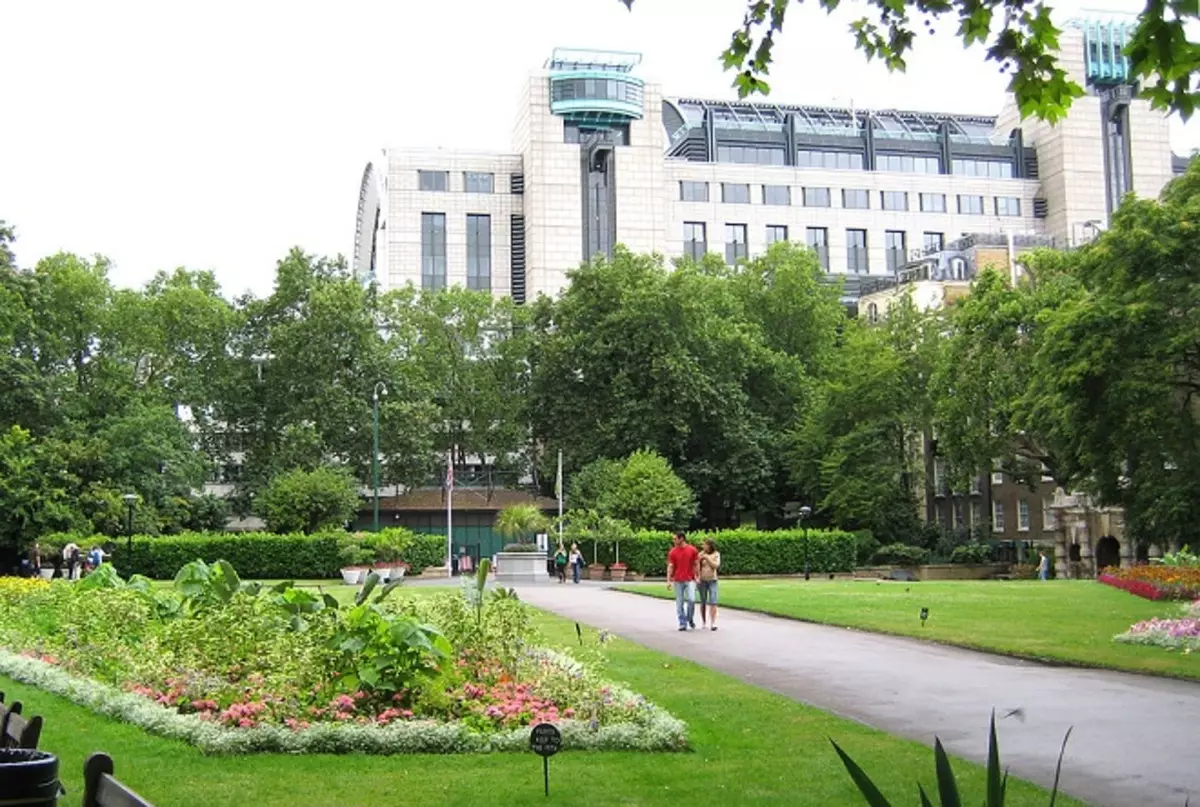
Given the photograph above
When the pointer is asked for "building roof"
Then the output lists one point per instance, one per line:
(434, 499)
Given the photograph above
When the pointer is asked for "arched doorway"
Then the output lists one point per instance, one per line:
(1108, 552)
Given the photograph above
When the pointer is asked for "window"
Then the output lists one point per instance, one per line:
(894, 200)
(433, 251)
(975, 485)
(959, 519)
(970, 205)
(693, 191)
(479, 252)
(1049, 517)
(818, 240)
(908, 164)
(976, 514)
(1046, 475)
(933, 203)
(997, 474)
(933, 242)
(856, 252)
(695, 241)
(816, 197)
(1008, 206)
(777, 195)
(854, 199)
(895, 248)
(1023, 515)
(939, 478)
(478, 182)
(735, 243)
(751, 155)
(776, 232)
(872, 313)
(735, 192)
(433, 180)
(812, 158)
(993, 169)
(997, 517)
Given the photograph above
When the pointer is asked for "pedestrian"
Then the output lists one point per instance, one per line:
(710, 562)
(1043, 566)
(35, 560)
(95, 558)
(576, 561)
(683, 564)
(70, 556)
(560, 564)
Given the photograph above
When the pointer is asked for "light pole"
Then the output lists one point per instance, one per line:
(130, 500)
(805, 512)
(380, 388)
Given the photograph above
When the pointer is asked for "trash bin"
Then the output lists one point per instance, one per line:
(29, 777)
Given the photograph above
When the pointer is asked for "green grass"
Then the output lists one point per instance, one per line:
(1068, 622)
(750, 747)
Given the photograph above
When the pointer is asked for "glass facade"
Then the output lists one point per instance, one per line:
(433, 251)
(479, 252)
(1008, 206)
(818, 240)
(813, 158)
(776, 232)
(751, 155)
(433, 180)
(478, 182)
(895, 248)
(735, 193)
(908, 163)
(933, 203)
(695, 240)
(777, 195)
(933, 242)
(894, 200)
(970, 205)
(816, 197)
(993, 169)
(856, 199)
(693, 191)
(735, 243)
(856, 252)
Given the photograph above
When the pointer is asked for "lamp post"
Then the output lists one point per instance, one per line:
(805, 512)
(380, 388)
(130, 500)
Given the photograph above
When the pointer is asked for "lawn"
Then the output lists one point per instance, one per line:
(750, 747)
(1068, 621)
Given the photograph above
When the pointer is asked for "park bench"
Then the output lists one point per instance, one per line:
(101, 788)
(15, 730)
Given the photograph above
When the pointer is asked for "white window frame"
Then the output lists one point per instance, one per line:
(1022, 515)
(997, 516)
(976, 513)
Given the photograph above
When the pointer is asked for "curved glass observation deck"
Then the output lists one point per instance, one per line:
(595, 87)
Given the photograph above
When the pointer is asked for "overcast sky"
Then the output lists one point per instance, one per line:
(218, 135)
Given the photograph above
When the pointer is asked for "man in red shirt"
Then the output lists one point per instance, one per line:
(683, 567)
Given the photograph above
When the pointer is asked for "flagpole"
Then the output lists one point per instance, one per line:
(559, 489)
(450, 513)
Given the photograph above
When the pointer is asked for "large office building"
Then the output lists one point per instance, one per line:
(602, 157)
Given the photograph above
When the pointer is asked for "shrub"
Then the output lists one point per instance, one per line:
(1023, 571)
(520, 548)
(901, 555)
(309, 501)
(260, 554)
(865, 546)
(971, 553)
(748, 551)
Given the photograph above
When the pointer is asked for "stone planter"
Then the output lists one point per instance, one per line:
(520, 567)
(617, 573)
(46, 572)
(595, 571)
(352, 577)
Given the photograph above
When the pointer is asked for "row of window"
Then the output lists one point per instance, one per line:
(852, 198)
(895, 244)
(853, 160)
(473, 181)
(999, 521)
(433, 251)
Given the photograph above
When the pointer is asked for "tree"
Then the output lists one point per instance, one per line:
(309, 501)
(520, 521)
(35, 492)
(1018, 36)
(641, 490)
(1117, 374)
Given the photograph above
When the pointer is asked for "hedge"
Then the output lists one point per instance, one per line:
(258, 554)
(746, 551)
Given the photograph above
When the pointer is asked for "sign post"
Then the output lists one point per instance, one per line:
(545, 740)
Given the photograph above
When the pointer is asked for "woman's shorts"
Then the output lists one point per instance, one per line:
(708, 591)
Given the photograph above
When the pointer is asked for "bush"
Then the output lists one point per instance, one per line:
(971, 553)
(309, 501)
(260, 554)
(747, 551)
(865, 546)
(900, 555)
(520, 548)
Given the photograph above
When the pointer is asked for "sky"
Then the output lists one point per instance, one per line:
(218, 135)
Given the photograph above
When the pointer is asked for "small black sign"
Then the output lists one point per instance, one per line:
(545, 740)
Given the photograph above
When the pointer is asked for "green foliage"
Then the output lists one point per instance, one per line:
(1183, 558)
(971, 553)
(749, 551)
(997, 778)
(900, 555)
(309, 501)
(521, 521)
(1021, 39)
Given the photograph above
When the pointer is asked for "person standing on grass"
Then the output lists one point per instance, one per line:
(1043, 566)
(576, 561)
(560, 564)
(710, 562)
(683, 566)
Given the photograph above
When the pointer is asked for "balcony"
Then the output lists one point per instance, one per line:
(856, 260)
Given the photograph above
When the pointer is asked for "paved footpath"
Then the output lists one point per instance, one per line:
(1134, 742)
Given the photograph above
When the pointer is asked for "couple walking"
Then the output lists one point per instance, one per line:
(685, 568)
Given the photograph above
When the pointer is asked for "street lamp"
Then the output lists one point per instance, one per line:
(380, 389)
(805, 512)
(130, 500)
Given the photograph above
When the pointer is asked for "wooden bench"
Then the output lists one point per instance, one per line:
(15, 730)
(101, 788)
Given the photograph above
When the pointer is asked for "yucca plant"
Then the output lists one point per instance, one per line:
(997, 781)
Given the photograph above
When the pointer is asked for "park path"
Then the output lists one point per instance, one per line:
(1134, 740)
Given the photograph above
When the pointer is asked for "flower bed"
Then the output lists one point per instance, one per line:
(1172, 634)
(1156, 582)
(234, 668)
